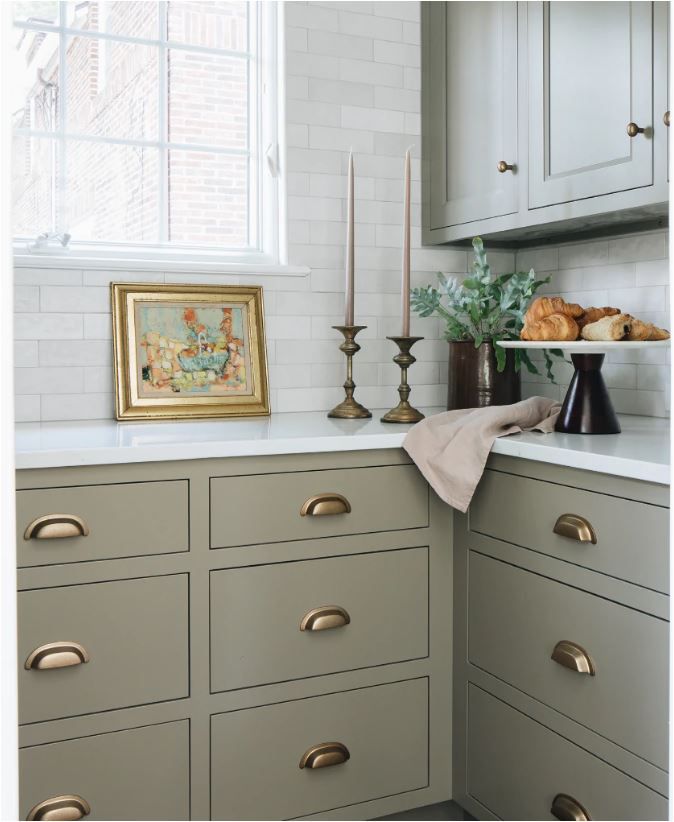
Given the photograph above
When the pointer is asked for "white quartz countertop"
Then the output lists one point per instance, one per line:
(641, 451)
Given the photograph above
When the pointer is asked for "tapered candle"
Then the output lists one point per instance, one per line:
(348, 310)
(406, 249)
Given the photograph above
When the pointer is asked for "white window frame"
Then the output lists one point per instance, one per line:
(267, 199)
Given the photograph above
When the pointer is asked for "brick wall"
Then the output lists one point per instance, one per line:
(353, 82)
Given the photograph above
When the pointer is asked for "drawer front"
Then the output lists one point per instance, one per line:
(516, 619)
(517, 767)
(133, 631)
(387, 498)
(632, 537)
(126, 520)
(256, 753)
(381, 617)
(137, 774)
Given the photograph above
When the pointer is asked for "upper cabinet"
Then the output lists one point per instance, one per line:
(590, 99)
(543, 118)
(473, 124)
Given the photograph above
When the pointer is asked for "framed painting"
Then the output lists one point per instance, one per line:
(188, 351)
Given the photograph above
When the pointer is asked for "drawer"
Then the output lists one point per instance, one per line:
(517, 767)
(375, 606)
(386, 498)
(126, 520)
(133, 632)
(632, 537)
(141, 773)
(256, 753)
(516, 618)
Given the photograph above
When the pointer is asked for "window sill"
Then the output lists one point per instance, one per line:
(188, 265)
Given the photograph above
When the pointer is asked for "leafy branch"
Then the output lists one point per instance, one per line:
(484, 308)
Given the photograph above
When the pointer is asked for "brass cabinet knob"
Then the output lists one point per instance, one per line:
(566, 807)
(56, 526)
(324, 618)
(572, 656)
(575, 527)
(665, 118)
(57, 655)
(325, 755)
(325, 505)
(502, 166)
(68, 806)
(633, 129)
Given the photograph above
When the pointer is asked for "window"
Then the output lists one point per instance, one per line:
(147, 126)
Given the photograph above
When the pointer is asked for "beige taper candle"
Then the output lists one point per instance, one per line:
(348, 309)
(406, 249)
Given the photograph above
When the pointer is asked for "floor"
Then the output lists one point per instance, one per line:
(443, 810)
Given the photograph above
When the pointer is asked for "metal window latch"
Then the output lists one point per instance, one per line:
(272, 157)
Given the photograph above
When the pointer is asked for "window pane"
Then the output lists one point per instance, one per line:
(208, 199)
(112, 88)
(36, 11)
(112, 192)
(208, 99)
(34, 169)
(214, 24)
(131, 18)
(34, 95)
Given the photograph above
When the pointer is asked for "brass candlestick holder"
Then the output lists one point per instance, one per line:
(349, 409)
(404, 412)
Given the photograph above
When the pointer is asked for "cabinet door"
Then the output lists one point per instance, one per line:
(590, 74)
(472, 116)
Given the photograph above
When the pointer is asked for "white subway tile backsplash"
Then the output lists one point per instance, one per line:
(353, 82)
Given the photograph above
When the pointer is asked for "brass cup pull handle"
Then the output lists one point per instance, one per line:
(572, 656)
(502, 167)
(665, 118)
(325, 755)
(575, 527)
(633, 129)
(566, 807)
(324, 618)
(56, 526)
(57, 655)
(68, 806)
(325, 505)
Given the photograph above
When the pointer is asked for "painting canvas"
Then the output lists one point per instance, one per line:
(190, 349)
(194, 351)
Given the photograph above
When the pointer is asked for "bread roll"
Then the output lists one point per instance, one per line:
(591, 315)
(554, 327)
(544, 306)
(608, 328)
(646, 331)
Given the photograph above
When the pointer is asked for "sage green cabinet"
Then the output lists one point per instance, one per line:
(262, 628)
(473, 119)
(590, 73)
(518, 768)
(133, 632)
(256, 754)
(141, 773)
(549, 89)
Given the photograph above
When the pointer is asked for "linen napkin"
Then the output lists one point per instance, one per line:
(451, 448)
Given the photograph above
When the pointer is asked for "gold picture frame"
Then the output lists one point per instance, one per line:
(188, 351)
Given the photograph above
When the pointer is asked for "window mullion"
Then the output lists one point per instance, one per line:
(162, 110)
(59, 220)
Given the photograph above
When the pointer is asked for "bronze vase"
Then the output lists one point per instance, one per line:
(473, 380)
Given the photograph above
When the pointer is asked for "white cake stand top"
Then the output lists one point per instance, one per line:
(585, 346)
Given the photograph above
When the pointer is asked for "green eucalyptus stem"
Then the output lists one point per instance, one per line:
(485, 308)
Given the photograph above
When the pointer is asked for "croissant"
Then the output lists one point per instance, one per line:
(559, 327)
(544, 306)
(608, 328)
(591, 315)
(646, 331)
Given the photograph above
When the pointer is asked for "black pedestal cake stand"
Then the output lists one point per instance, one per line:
(587, 407)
